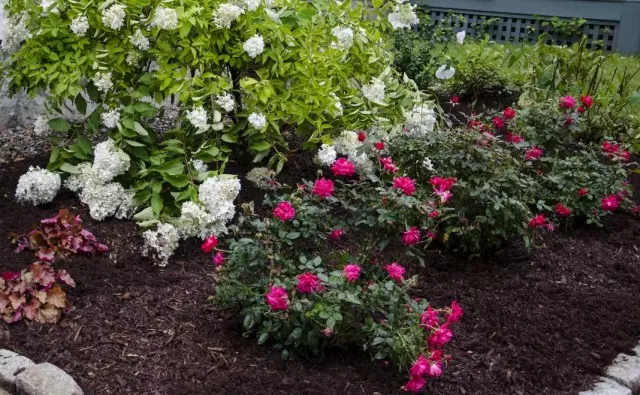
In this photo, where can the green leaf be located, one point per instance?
(133, 143)
(260, 146)
(634, 99)
(84, 144)
(229, 138)
(81, 104)
(140, 130)
(263, 337)
(144, 215)
(293, 235)
(69, 168)
(156, 203)
(59, 125)
(178, 181)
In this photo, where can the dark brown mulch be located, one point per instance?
(544, 323)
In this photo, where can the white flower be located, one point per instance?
(14, 33)
(133, 58)
(41, 126)
(109, 161)
(460, 37)
(427, 164)
(445, 72)
(224, 16)
(128, 205)
(195, 221)
(199, 165)
(80, 25)
(262, 177)
(252, 5)
(375, 90)
(217, 194)
(113, 17)
(226, 101)
(326, 155)
(102, 81)
(257, 120)
(337, 105)
(110, 119)
(403, 16)
(38, 186)
(254, 46)
(420, 121)
(198, 118)
(346, 143)
(344, 36)
(363, 164)
(165, 18)
(103, 199)
(46, 4)
(161, 243)
(77, 181)
(139, 40)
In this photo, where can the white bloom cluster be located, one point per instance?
(139, 40)
(224, 16)
(326, 155)
(199, 165)
(344, 36)
(403, 16)
(252, 5)
(46, 4)
(420, 121)
(198, 118)
(113, 17)
(102, 81)
(76, 182)
(38, 186)
(165, 18)
(14, 33)
(363, 164)
(110, 118)
(346, 143)
(133, 58)
(161, 243)
(445, 72)
(80, 25)
(217, 194)
(257, 120)
(338, 105)
(427, 164)
(41, 126)
(375, 90)
(262, 177)
(195, 221)
(226, 101)
(254, 46)
(109, 161)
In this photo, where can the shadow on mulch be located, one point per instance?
(544, 323)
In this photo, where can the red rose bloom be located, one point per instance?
(509, 113)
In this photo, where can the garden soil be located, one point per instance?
(544, 322)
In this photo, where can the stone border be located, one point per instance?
(622, 377)
(21, 376)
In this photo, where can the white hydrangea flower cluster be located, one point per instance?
(38, 186)
(199, 165)
(403, 16)
(102, 81)
(252, 5)
(326, 155)
(217, 194)
(346, 143)
(226, 13)
(363, 164)
(41, 126)
(344, 36)
(254, 46)
(257, 120)
(420, 121)
(113, 17)
(198, 118)
(80, 25)
(161, 243)
(109, 161)
(14, 33)
(195, 221)
(165, 18)
(262, 177)
(139, 40)
(133, 58)
(110, 119)
(375, 91)
(226, 101)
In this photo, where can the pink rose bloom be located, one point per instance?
(434, 214)
(209, 244)
(435, 369)
(284, 211)
(10, 276)
(379, 145)
(395, 271)
(362, 137)
(218, 259)
(456, 312)
(509, 113)
(562, 210)
(420, 367)
(416, 384)
(586, 100)
(610, 148)
(429, 318)
(582, 192)
(342, 167)
(387, 164)
(567, 102)
(411, 236)
(581, 109)
(444, 184)
(351, 272)
(277, 298)
(323, 188)
(454, 100)
(533, 153)
(440, 337)
(405, 184)
(514, 138)
(327, 332)
(308, 283)
(625, 155)
(537, 221)
(336, 234)
(609, 203)
(498, 123)
(431, 235)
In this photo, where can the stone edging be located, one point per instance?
(21, 376)
(622, 377)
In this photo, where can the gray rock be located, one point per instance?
(607, 387)
(11, 364)
(625, 370)
(4, 392)
(46, 379)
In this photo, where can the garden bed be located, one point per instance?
(547, 322)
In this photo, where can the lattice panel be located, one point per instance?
(517, 29)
